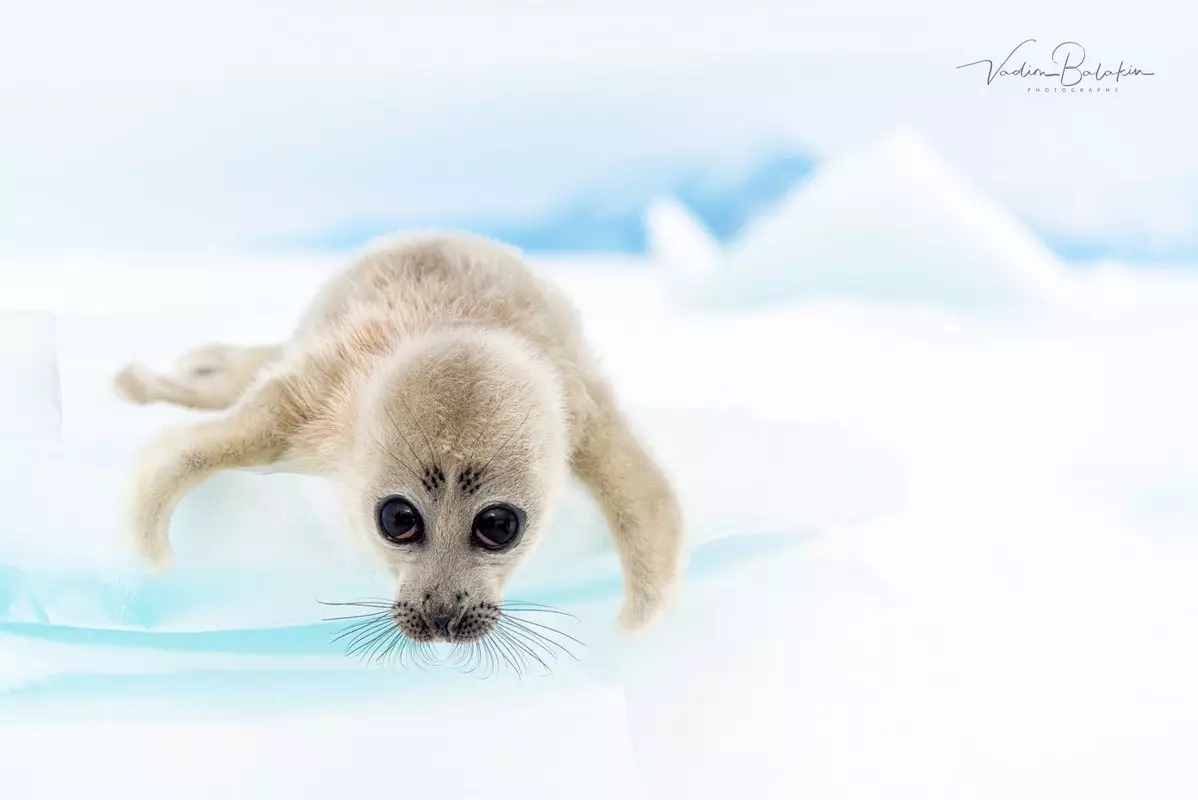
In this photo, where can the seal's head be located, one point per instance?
(461, 448)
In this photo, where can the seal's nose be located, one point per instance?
(441, 623)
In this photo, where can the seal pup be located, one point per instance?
(448, 391)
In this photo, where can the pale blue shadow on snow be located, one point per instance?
(276, 682)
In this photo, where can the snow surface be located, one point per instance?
(255, 551)
(962, 564)
(29, 375)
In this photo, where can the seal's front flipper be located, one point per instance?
(181, 458)
(641, 509)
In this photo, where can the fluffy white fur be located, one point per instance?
(430, 358)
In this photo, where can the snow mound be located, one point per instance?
(893, 223)
(679, 241)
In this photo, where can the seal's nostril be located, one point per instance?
(441, 623)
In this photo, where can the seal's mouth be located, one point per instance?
(384, 633)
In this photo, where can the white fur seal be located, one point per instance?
(448, 391)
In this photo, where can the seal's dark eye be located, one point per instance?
(496, 528)
(399, 522)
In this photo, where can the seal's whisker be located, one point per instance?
(505, 651)
(461, 657)
(542, 644)
(384, 614)
(411, 654)
(482, 431)
(533, 608)
(506, 442)
(524, 648)
(363, 643)
(397, 459)
(395, 655)
(543, 640)
(476, 658)
(426, 656)
(355, 616)
(502, 647)
(492, 661)
(485, 480)
(412, 651)
(396, 646)
(380, 614)
(525, 623)
(547, 641)
(432, 454)
(369, 646)
(379, 653)
(360, 631)
(369, 602)
(395, 425)
(406, 649)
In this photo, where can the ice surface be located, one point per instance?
(256, 551)
(891, 222)
(964, 568)
(29, 396)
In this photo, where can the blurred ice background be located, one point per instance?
(919, 352)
